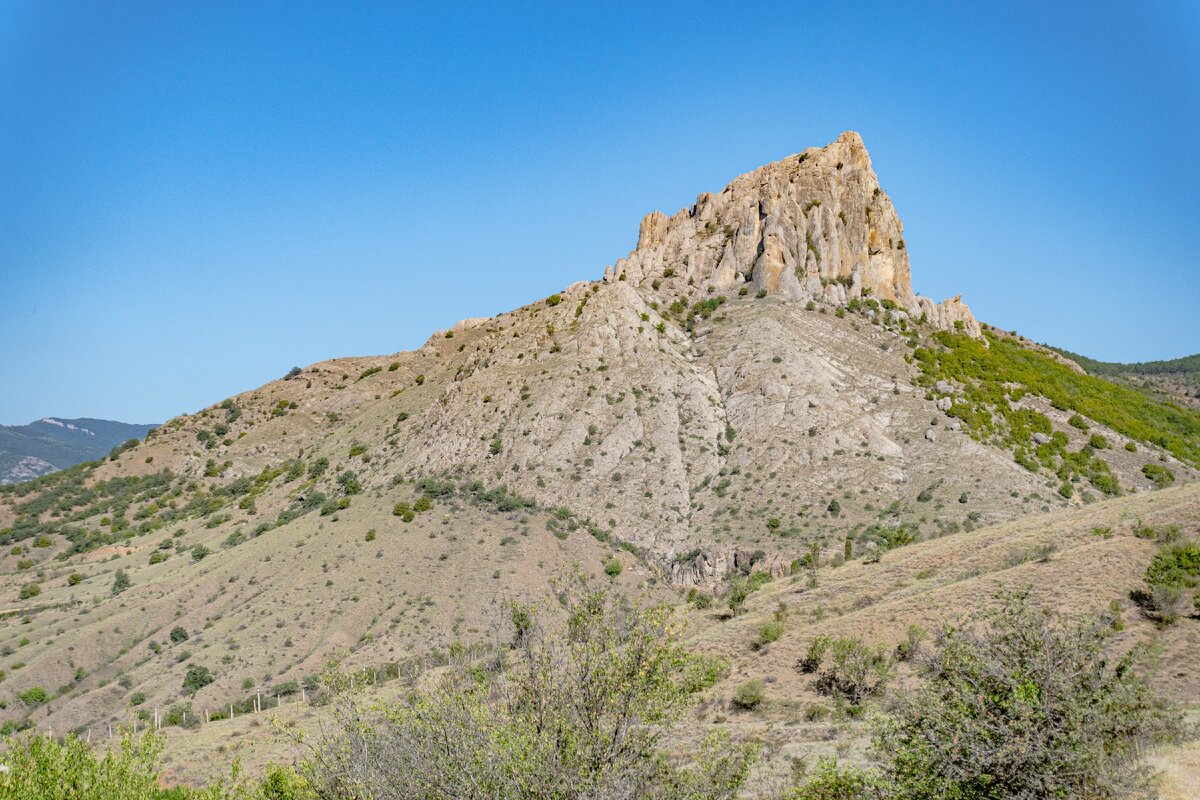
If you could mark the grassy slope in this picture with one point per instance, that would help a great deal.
(1068, 566)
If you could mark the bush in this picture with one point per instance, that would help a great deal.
(1016, 707)
(612, 567)
(770, 632)
(831, 781)
(121, 582)
(43, 768)
(30, 590)
(197, 678)
(854, 671)
(1076, 421)
(1098, 442)
(1161, 476)
(34, 696)
(750, 694)
(553, 300)
(178, 634)
(74, 579)
(574, 710)
(200, 552)
(349, 483)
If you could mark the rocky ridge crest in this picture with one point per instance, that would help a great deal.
(816, 225)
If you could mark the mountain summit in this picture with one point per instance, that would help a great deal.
(816, 225)
(754, 392)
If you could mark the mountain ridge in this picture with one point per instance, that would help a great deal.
(53, 443)
(677, 426)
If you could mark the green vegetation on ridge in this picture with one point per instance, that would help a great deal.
(998, 372)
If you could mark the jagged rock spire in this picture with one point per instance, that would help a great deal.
(813, 225)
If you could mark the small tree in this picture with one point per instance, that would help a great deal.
(197, 678)
(570, 706)
(1020, 708)
(121, 582)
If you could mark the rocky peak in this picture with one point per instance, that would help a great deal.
(815, 225)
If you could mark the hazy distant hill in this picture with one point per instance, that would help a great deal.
(49, 444)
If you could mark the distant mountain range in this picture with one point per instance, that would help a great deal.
(51, 444)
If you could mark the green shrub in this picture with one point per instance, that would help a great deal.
(830, 781)
(349, 483)
(1161, 476)
(121, 582)
(612, 567)
(197, 678)
(1018, 707)
(178, 634)
(74, 579)
(770, 632)
(1076, 421)
(200, 552)
(1098, 442)
(853, 671)
(750, 695)
(30, 590)
(34, 696)
(553, 300)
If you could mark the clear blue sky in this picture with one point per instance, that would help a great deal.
(195, 197)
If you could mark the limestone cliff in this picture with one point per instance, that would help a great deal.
(813, 226)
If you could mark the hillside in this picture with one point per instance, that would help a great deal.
(1176, 379)
(49, 444)
(751, 396)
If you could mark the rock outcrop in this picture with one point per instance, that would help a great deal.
(815, 225)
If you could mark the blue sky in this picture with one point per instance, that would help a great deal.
(195, 197)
